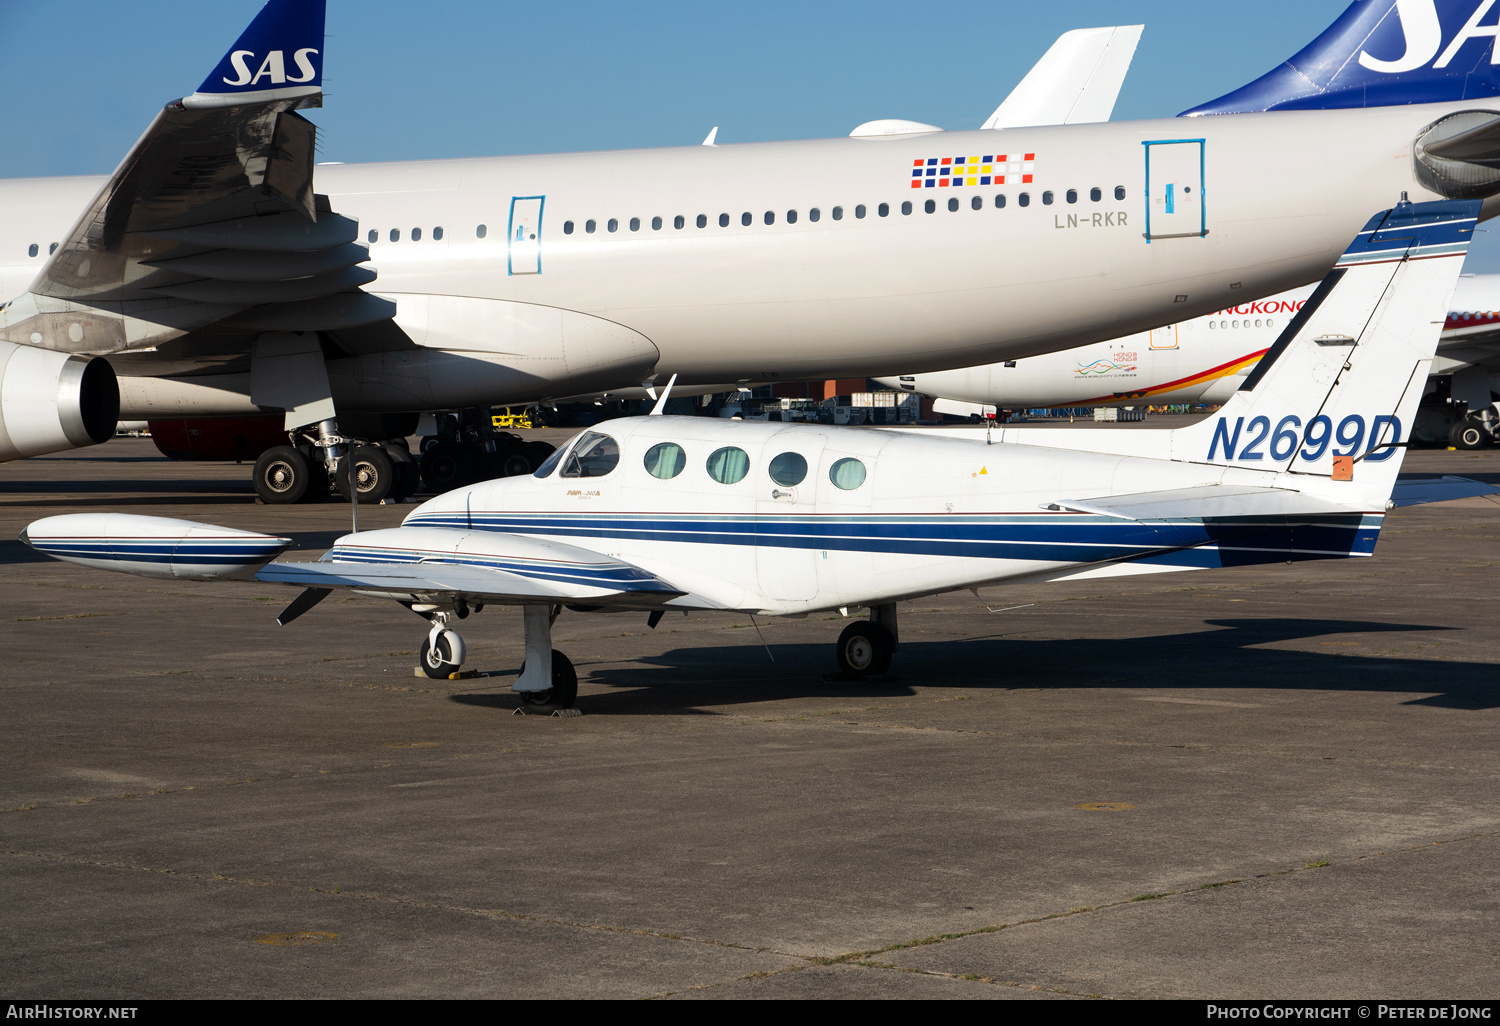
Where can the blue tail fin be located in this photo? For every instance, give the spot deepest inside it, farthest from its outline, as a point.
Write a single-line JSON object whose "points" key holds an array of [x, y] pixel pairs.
{"points": [[280, 56], [1382, 53]]}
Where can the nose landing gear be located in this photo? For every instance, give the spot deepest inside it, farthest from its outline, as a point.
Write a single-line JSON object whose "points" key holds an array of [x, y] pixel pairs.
{"points": [[442, 652]]}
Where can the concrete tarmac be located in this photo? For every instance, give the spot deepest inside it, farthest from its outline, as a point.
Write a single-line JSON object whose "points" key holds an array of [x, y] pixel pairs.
{"points": [[1279, 781]]}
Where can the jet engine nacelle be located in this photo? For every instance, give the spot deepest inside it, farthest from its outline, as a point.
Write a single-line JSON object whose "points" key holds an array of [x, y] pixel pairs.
{"points": [[52, 401]]}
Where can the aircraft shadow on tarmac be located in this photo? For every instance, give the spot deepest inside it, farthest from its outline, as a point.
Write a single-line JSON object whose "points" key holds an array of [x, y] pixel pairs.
{"points": [[687, 680]]}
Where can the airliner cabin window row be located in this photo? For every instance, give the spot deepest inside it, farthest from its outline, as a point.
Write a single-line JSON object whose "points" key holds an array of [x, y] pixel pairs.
{"points": [[814, 214]]}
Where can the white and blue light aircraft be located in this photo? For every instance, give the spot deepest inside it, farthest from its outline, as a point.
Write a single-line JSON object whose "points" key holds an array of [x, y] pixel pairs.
{"points": [[683, 513], [218, 272]]}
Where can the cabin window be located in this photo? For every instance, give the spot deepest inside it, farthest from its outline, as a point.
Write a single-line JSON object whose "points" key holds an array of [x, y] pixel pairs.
{"points": [[930, 206], [1212, 325], [416, 235], [589, 226], [702, 220], [665, 460], [1119, 192], [33, 250], [481, 232], [977, 203], [791, 217], [848, 474], [374, 236], [1024, 199], [613, 225], [1072, 195], [1000, 201], [567, 229], [746, 218], [728, 465], [723, 220], [395, 234], [679, 222], [859, 211], [952, 203], [838, 213], [635, 224], [788, 469], [595, 455], [1095, 195], [656, 224], [884, 210], [906, 207], [1047, 198], [813, 214], [437, 233], [770, 217], [52, 249]]}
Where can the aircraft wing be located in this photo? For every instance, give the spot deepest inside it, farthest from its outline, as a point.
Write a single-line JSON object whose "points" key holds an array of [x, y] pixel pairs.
{"points": [[211, 216], [434, 563], [1203, 502], [1076, 81]]}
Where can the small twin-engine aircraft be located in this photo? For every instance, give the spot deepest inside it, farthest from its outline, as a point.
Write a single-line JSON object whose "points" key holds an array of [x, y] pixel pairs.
{"points": [[665, 513]]}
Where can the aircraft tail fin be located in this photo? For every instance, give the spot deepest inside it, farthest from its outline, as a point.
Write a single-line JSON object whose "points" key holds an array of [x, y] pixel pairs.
{"points": [[278, 57], [1382, 53], [1076, 81], [1332, 402]]}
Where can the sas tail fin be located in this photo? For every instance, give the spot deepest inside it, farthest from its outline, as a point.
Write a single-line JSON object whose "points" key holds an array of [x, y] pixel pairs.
{"points": [[278, 57], [1331, 404], [1382, 53]]}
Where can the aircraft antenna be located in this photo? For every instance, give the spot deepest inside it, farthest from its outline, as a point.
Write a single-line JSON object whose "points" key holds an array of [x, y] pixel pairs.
{"points": [[762, 638], [661, 404]]}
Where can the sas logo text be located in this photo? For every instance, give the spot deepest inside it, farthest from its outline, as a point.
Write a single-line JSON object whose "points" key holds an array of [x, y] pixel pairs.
{"points": [[1422, 30], [272, 70], [1257, 440]]}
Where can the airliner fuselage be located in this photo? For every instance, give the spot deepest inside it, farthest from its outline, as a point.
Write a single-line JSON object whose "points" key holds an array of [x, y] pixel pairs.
{"points": [[854, 256]]}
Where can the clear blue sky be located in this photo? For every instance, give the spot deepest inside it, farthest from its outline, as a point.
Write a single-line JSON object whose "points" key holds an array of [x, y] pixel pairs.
{"points": [[448, 78]]}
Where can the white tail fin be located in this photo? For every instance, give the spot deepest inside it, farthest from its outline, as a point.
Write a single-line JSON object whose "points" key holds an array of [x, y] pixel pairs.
{"points": [[1345, 377]]}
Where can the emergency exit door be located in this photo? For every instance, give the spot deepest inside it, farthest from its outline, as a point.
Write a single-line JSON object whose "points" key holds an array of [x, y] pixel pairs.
{"points": [[1176, 205], [525, 237]]}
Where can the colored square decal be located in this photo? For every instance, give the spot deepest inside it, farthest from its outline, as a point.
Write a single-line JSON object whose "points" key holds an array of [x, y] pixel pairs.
{"points": [[947, 160], [917, 162], [916, 183], [973, 181], [984, 180]]}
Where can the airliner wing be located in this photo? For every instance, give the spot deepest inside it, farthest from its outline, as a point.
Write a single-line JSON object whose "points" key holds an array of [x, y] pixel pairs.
{"points": [[1205, 501], [212, 212], [1076, 81]]}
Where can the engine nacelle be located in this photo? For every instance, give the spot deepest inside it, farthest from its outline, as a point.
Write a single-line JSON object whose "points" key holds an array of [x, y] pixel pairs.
{"points": [[52, 401]]}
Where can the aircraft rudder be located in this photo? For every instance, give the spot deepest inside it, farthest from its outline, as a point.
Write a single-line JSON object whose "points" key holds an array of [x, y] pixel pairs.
{"points": [[1381, 53], [279, 55]]}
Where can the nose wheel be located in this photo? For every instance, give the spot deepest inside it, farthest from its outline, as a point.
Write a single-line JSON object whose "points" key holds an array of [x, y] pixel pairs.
{"points": [[442, 653]]}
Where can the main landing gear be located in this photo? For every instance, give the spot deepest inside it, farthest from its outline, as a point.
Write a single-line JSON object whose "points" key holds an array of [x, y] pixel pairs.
{"points": [[865, 647], [547, 676]]}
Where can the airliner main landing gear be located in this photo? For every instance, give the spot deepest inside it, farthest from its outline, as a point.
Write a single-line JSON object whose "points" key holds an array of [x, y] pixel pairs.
{"points": [[865, 647]]}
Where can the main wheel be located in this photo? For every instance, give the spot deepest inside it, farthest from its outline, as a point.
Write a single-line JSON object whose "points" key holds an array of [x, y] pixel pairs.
{"points": [[446, 466], [864, 649], [282, 475], [564, 691], [407, 478], [1468, 434], [372, 471], [440, 661]]}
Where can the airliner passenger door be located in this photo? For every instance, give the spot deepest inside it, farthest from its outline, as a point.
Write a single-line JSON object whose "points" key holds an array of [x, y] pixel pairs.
{"points": [[525, 238], [786, 558], [1176, 205]]}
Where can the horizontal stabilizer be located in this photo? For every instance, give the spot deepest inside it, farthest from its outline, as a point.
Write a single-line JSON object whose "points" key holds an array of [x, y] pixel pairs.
{"points": [[1207, 501], [1414, 491]]}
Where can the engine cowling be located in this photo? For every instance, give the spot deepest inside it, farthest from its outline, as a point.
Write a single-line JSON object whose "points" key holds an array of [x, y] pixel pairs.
{"points": [[51, 401]]}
